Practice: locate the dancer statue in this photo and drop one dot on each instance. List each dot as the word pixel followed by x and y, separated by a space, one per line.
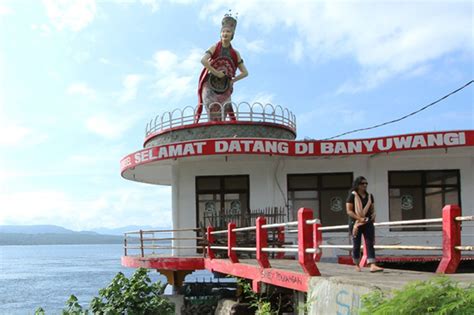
pixel 220 62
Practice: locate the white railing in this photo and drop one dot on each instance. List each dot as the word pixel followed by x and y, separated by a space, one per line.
pixel 256 112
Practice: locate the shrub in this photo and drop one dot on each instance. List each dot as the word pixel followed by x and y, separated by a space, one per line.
pixel 134 296
pixel 259 302
pixel 137 295
pixel 440 295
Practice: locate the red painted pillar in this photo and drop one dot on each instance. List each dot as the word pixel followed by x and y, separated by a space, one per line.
pixel 281 240
pixel 305 240
pixel 256 286
pixel 451 238
pixel 210 241
pixel 317 240
pixel 231 242
pixel 261 242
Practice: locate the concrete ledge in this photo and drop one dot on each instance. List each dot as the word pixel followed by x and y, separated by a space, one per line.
pixel 220 130
pixel 341 291
pixel 165 263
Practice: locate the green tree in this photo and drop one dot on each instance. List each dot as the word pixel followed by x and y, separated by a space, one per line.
pixel 135 296
pixel 73 307
pixel 441 296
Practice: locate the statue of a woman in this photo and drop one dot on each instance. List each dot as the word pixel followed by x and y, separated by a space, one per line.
pixel 218 76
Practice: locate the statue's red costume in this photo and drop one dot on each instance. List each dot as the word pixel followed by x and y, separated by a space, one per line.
pixel 222 59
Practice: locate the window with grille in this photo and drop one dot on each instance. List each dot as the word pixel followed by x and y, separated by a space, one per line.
pixel 421 195
pixel 221 199
pixel 324 193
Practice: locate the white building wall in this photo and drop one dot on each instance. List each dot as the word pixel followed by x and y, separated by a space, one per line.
pixel 268 187
pixel 263 190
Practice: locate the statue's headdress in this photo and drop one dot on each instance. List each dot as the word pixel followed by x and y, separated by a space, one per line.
pixel 229 21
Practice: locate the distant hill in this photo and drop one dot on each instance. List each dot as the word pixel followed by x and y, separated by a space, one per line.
pixel 34 229
pixel 128 228
pixel 57 238
pixel 53 234
pixel 50 235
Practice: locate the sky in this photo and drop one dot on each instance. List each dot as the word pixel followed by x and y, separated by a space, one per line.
pixel 80 79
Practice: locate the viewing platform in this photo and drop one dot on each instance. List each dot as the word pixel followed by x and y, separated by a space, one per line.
pixel 297 267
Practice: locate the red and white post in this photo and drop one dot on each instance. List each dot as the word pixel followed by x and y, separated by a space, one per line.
pixel 261 242
pixel 281 240
pixel 451 238
pixel 305 240
pixel 317 240
pixel 210 241
pixel 231 242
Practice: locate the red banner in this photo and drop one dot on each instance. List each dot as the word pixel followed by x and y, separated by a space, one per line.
pixel 262 146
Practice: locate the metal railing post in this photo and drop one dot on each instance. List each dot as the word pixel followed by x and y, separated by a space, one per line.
pixel 281 240
pixel 305 240
pixel 231 242
pixel 142 250
pixel 125 245
pixel 317 241
pixel 451 238
pixel 210 241
pixel 261 242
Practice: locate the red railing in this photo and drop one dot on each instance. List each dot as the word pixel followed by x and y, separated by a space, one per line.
pixel 310 241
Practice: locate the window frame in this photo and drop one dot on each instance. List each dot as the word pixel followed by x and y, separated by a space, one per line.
pixel 319 187
pixel 221 191
pixel 423 187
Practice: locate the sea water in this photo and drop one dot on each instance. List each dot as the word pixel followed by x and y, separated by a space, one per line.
pixel 46 275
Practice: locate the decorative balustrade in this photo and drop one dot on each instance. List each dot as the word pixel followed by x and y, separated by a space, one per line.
pixel 220 220
pixel 243 112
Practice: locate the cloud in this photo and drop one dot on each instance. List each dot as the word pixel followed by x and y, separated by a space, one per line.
pixel 254 46
pixel 12 133
pixel 105 61
pixel 296 53
pixel 73 14
pixel 165 61
pixel 264 98
pixel 115 208
pixel 43 29
pixel 154 4
pixel 386 39
pixel 110 125
pixel 81 89
pixel 176 75
pixel 106 119
pixel 81 56
pixel 109 121
pixel 5 10
pixel 130 84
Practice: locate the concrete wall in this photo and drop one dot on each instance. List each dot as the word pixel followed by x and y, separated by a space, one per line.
pixel 332 296
pixel 266 171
